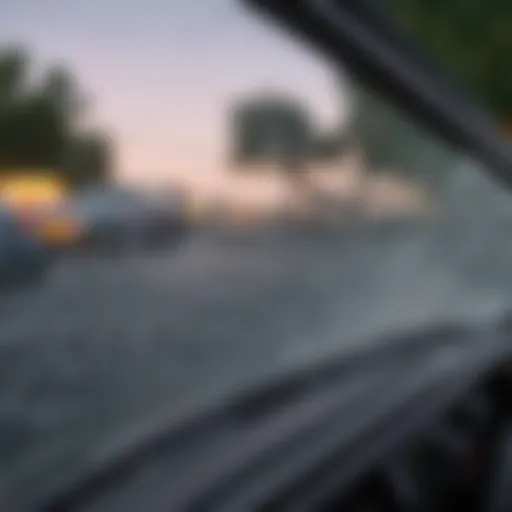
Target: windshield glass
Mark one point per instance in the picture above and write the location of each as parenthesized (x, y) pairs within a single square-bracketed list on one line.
[(315, 220)]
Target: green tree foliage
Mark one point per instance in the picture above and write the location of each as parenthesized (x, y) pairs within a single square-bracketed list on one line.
[(274, 128), (393, 141), (471, 38), (13, 75), (31, 134), (39, 123), (89, 159)]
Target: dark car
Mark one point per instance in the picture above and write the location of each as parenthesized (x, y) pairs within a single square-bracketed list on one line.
[(123, 218), (166, 219), (23, 258)]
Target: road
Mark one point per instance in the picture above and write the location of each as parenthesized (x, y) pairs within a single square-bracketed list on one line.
[(106, 345)]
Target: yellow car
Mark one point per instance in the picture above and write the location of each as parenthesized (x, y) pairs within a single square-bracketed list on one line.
[(58, 231), (52, 225), (38, 199)]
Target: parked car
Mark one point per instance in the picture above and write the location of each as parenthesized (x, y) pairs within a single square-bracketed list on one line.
[(166, 219), (124, 218), (23, 258), (53, 225)]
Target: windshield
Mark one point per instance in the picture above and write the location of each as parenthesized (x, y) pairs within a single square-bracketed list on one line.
[(316, 220)]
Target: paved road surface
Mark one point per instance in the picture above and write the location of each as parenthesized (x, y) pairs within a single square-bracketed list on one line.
[(106, 344)]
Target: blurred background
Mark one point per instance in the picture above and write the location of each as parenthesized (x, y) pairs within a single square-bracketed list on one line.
[(191, 201), (175, 114)]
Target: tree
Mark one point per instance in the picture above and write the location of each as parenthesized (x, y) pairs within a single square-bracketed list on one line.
[(89, 159), (392, 141), (32, 134), (39, 123), (58, 86), (14, 64), (275, 128), (472, 39)]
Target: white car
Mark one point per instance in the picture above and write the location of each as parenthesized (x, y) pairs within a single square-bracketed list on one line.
[(124, 218)]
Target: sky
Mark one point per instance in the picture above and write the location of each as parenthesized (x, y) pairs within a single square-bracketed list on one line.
[(160, 75)]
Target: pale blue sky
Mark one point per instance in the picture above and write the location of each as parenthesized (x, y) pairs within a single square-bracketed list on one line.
[(162, 72)]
